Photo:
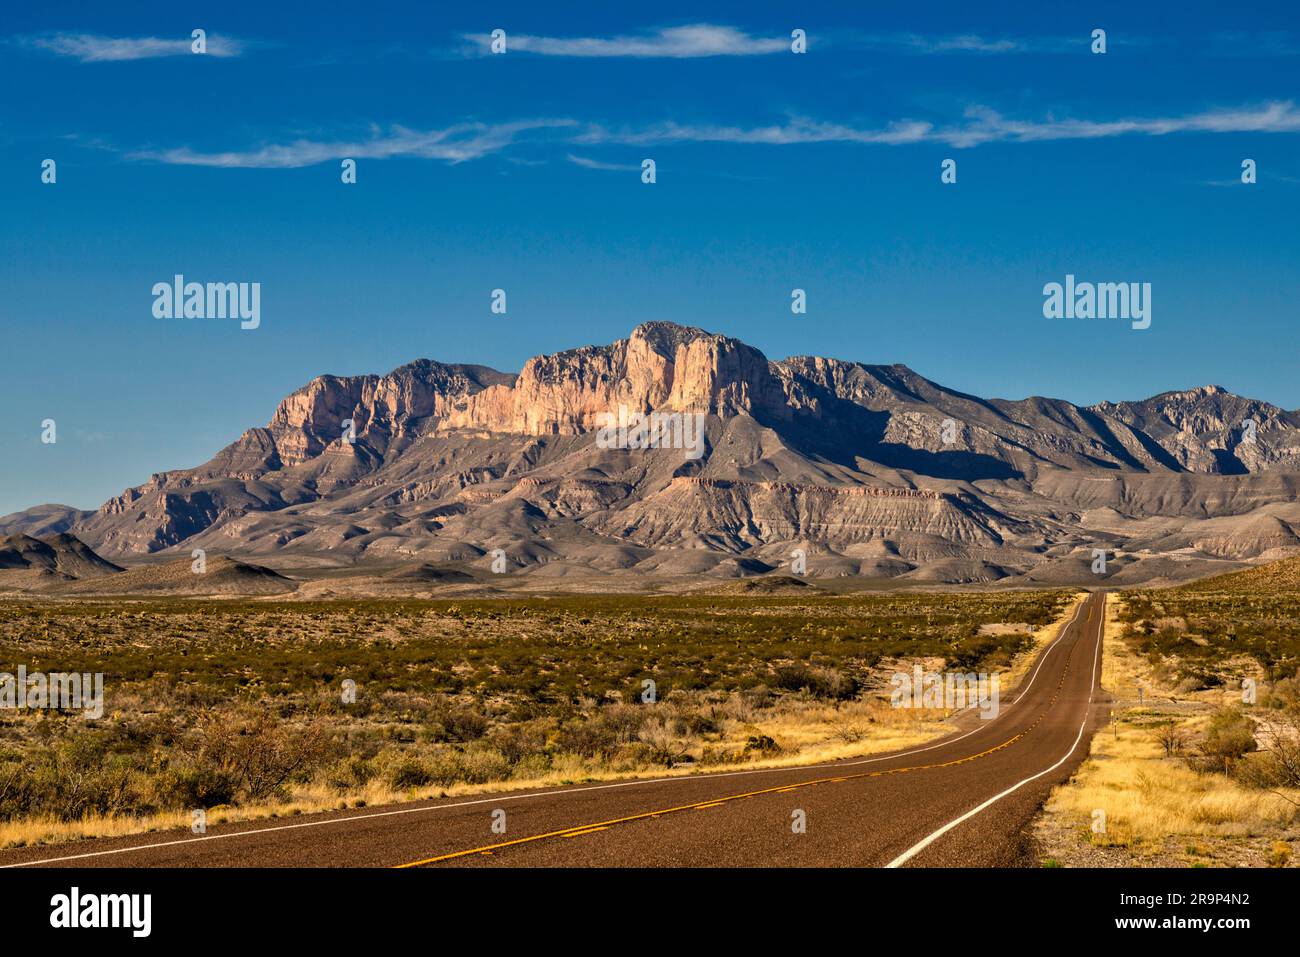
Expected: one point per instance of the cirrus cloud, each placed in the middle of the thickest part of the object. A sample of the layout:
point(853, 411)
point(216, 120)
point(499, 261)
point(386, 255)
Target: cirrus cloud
point(453, 144)
point(978, 125)
point(694, 40)
point(92, 48)
point(466, 141)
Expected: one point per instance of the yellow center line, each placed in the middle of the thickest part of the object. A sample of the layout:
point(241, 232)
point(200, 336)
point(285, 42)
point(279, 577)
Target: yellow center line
point(590, 830)
point(716, 802)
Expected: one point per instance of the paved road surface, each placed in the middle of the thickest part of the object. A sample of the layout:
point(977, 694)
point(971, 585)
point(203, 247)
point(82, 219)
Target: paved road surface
point(963, 801)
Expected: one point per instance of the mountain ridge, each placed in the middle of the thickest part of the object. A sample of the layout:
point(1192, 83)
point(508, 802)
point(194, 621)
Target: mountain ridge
point(447, 462)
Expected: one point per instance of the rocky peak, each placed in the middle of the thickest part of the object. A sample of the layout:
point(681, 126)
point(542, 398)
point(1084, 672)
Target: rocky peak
point(61, 553)
point(383, 409)
point(1203, 411)
point(867, 385)
point(664, 338)
point(1210, 429)
point(661, 365)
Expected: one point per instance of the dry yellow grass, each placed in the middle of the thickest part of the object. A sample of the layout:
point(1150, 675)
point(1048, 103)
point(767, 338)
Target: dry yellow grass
point(1148, 798)
point(1158, 810)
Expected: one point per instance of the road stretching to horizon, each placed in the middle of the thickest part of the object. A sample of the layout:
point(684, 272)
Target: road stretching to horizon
point(964, 800)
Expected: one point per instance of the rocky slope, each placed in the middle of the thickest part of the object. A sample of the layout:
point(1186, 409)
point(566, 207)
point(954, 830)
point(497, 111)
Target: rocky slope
point(220, 576)
point(863, 469)
point(1210, 430)
point(42, 520)
point(28, 562)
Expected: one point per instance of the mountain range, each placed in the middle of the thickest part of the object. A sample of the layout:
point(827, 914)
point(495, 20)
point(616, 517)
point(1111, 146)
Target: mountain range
point(853, 469)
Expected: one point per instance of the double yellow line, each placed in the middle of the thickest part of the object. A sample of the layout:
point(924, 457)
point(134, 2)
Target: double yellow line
point(715, 802)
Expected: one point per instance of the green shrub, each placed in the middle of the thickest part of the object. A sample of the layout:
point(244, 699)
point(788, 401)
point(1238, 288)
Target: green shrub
point(816, 681)
point(1229, 737)
point(408, 771)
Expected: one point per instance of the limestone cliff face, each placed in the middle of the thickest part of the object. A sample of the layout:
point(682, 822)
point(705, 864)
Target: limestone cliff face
point(826, 451)
point(383, 409)
point(302, 446)
point(658, 367)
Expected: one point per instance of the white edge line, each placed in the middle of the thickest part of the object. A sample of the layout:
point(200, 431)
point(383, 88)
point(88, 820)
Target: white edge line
point(497, 799)
point(921, 845)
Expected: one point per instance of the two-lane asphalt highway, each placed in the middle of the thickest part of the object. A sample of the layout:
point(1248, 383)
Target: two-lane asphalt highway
point(965, 800)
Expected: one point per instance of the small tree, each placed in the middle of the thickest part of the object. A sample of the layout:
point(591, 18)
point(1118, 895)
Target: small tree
point(1172, 738)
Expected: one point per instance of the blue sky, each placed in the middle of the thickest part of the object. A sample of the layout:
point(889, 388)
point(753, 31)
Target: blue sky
point(522, 171)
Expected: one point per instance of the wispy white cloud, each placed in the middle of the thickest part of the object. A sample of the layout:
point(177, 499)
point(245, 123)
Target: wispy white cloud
point(91, 48)
point(978, 125)
point(987, 125)
point(473, 140)
point(794, 131)
point(587, 163)
point(453, 144)
point(695, 40)
point(962, 43)
point(709, 39)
